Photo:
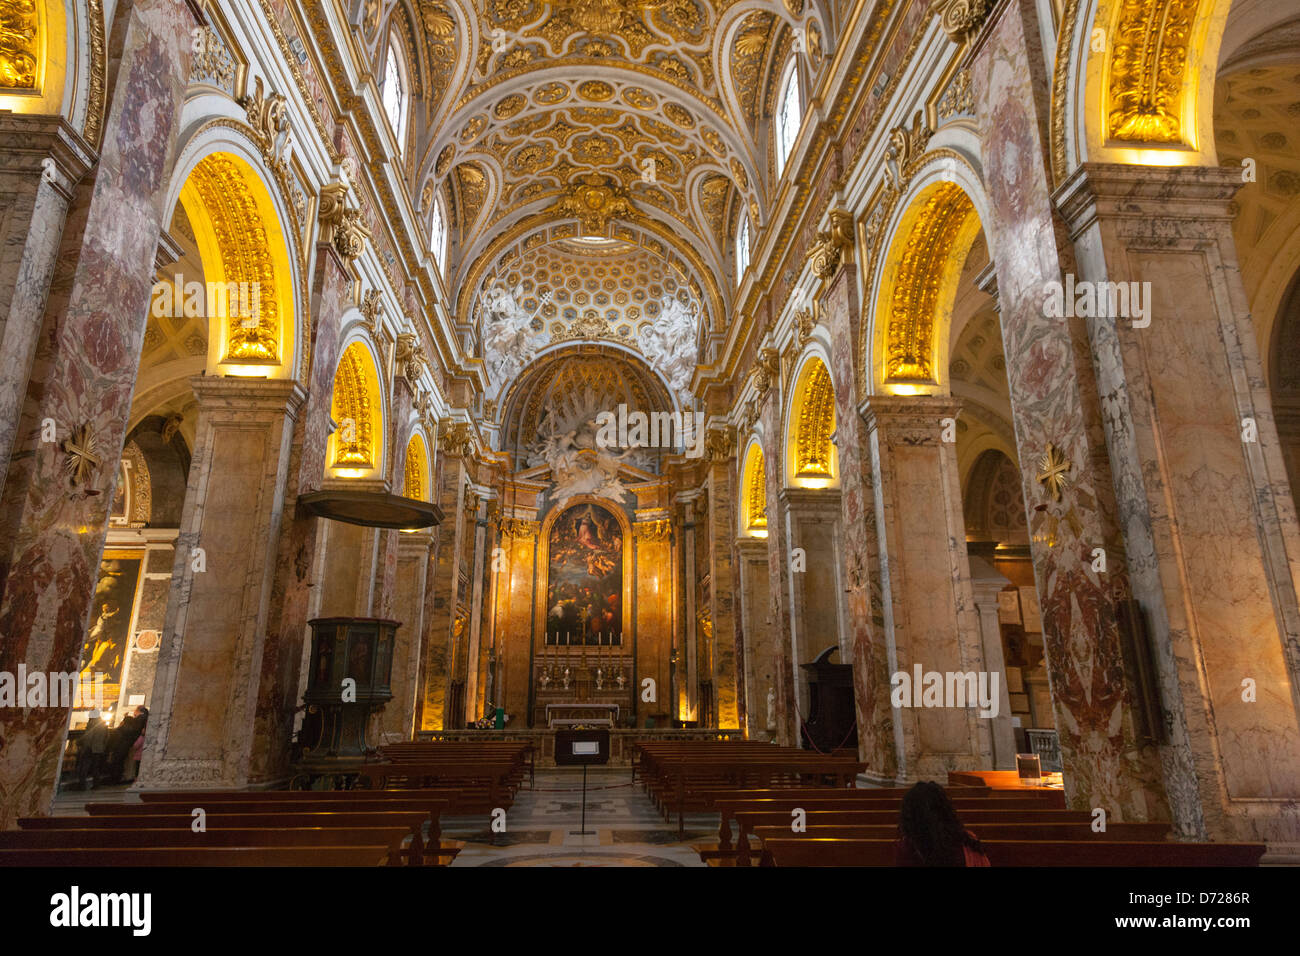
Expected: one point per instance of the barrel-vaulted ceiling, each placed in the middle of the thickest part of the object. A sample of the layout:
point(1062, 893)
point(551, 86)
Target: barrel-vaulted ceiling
point(643, 120)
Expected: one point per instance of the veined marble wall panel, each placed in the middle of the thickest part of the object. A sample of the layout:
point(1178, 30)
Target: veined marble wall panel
point(761, 657)
point(870, 657)
point(83, 374)
point(1054, 401)
point(512, 608)
point(654, 620)
point(722, 531)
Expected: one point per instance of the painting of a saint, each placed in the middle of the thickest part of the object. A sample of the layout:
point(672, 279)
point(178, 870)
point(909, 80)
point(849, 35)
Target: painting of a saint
point(584, 595)
point(110, 629)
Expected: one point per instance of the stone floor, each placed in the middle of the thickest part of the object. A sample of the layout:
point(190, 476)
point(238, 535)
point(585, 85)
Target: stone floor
point(542, 827)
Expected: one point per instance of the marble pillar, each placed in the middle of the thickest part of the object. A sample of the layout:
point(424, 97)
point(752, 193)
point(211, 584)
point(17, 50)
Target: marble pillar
point(860, 557)
point(401, 403)
point(42, 159)
point(789, 710)
point(288, 642)
point(1204, 500)
point(653, 628)
point(760, 651)
point(722, 532)
point(986, 584)
point(213, 643)
point(415, 551)
point(53, 522)
point(929, 613)
point(810, 518)
point(687, 658)
point(441, 662)
point(1055, 402)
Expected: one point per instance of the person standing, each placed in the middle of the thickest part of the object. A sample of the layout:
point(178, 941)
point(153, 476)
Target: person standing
point(90, 752)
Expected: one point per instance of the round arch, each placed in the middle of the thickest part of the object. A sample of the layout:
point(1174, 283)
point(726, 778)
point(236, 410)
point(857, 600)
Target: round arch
point(1136, 83)
point(913, 295)
point(240, 227)
point(417, 478)
point(356, 448)
point(811, 459)
point(752, 507)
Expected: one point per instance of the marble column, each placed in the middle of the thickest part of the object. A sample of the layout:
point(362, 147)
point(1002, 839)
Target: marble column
point(414, 556)
point(52, 522)
point(929, 613)
point(653, 581)
point(722, 532)
point(860, 557)
point(761, 656)
point(213, 643)
point(810, 519)
point(399, 415)
point(986, 584)
point(481, 685)
point(42, 159)
point(291, 596)
point(687, 658)
point(779, 591)
point(1055, 402)
point(1204, 500)
point(442, 665)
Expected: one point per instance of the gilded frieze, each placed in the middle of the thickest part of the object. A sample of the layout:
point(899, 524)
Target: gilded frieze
point(816, 422)
point(241, 238)
point(353, 410)
point(914, 300)
point(21, 45)
point(1148, 61)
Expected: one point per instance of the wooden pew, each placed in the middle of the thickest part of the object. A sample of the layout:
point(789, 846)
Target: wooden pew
point(820, 852)
point(195, 856)
point(1017, 807)
point(412, 822)
point(101, 838)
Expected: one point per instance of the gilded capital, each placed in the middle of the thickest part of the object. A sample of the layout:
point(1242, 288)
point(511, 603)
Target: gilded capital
point(340, 225)
point(962, 19)
point(831, 248)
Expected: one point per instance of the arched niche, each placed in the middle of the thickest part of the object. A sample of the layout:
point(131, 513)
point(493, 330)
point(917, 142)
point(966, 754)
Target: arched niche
point(811, 459)
point(417, 479)
point(914, 299)
point(752, 507)
point(247, 289)
point(356, 446)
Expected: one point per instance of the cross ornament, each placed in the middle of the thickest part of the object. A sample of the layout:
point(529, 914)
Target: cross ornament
point(1053, 467)
point(80, 449)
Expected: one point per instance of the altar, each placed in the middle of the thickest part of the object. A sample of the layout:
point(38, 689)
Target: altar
point(581, 713)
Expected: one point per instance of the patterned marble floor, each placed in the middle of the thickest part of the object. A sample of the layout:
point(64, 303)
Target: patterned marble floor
point(542, 828)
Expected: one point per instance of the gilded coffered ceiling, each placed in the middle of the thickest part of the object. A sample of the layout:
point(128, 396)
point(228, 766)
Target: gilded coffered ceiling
point(646, 118)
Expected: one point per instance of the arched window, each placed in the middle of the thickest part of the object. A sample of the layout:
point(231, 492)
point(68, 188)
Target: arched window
point(438, 236)
point(395, 94)
point(742, 249)
point(789, 117)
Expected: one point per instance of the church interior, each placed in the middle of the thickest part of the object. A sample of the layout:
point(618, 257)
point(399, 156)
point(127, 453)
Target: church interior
point(673, 415)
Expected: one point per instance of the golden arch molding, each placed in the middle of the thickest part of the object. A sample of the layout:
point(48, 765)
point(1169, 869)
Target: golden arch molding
point(919, 285)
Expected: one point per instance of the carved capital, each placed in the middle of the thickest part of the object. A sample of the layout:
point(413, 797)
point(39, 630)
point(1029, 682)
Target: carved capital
point(409, 357)
point(372, 308)
point(268, 115)
point(906, 145)
point(454, 438)
point(659, 530)
point(766, 367)
point(340, 224)
point(962, 19)
point(720, 442)
point(517, 528)
point(805, 320)
point(832, 246)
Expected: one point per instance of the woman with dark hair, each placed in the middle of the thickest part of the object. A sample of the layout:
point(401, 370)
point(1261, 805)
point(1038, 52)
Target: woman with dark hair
point(931, 834)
